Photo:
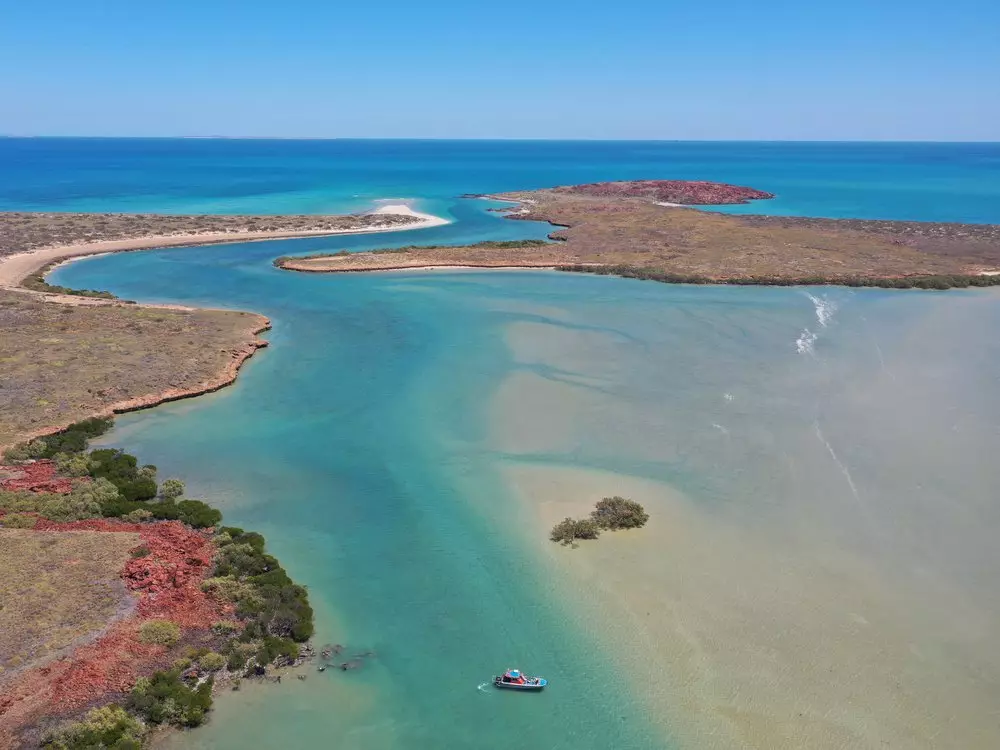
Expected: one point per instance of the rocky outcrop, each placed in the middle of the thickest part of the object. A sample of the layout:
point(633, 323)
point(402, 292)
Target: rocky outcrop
point(684, 192)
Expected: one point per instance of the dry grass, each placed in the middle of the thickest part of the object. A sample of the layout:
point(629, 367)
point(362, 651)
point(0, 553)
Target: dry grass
point(57, 587)
point(61, 363)
point(20, 231)
point(637, 232)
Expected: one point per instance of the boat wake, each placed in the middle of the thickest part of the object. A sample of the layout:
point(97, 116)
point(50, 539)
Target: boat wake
point(804, 343)
point(482, 687)
point(825, 308)
point(840, 464)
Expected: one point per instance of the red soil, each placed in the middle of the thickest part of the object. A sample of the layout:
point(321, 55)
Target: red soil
point(686, 192)
point(168, 584)
point(37, 476)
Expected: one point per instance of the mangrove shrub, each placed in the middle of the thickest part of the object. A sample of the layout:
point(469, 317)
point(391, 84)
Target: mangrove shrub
point(618, 513)
point(570, 529)
point(105, 727)
point(164, 698)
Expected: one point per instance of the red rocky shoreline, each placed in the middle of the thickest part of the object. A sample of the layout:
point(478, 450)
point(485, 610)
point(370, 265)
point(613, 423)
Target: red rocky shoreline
point(684, 192)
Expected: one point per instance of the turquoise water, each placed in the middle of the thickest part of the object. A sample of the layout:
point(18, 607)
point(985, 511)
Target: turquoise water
point(816, 462)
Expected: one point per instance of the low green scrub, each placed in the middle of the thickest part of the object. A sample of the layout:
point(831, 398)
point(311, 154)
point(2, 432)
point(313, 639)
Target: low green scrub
point(171, 489)
point(36, 282)
point(212, 662)
point(933, 282)
point(484, 245)
point(106, 727)
point(84, 501)
point(160, 632)
point(18, 521)
point(165, 698)
point(73, 439)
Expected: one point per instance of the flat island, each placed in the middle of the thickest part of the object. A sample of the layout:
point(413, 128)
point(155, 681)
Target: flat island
point(641, 229)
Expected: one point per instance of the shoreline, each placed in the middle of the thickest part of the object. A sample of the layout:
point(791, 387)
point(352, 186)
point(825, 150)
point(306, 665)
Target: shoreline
point(223, 379)
point(620, 230)
point(15, 268)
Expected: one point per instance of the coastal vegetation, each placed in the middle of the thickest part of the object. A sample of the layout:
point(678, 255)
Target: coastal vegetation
point(166, 698)
point(270, 615)
point(37, 283)
point(27, 230)
point(105, 727)
point(610, 514)
point(569, 530)
point(283, 261)
point(615, 513)
point(933, 282)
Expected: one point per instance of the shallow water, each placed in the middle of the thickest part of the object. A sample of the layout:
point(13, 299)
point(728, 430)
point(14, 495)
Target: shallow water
point(819, 570)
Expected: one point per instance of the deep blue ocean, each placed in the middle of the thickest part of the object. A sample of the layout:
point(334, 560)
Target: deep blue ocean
point(926, 182)
point(818, 463)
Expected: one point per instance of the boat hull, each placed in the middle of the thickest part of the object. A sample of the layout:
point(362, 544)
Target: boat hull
point(532, 687)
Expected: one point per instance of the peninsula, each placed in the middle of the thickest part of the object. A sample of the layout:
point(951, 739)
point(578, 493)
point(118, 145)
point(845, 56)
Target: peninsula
point(125, 602)
point(32, 241)
point(632, 229)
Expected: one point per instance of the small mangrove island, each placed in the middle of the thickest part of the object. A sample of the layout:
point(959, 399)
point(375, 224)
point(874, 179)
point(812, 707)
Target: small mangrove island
point(610, 514)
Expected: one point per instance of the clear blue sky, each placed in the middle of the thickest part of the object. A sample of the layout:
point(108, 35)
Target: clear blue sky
point(731, 69)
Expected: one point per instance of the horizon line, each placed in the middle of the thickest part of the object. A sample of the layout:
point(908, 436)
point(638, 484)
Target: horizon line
point(12, 136)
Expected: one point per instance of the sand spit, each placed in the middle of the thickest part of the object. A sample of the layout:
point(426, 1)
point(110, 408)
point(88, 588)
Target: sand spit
point(17, 266)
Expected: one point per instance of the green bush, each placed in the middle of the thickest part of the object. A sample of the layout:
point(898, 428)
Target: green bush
point(212, 661)
point(121, 470)
point(939, 282)
point(225, 627)
point(267, 601)
point(165, 699)
point(570, 529)
point(72, 464)
point(26, 451)
point(19, 521)
point(199, 514)
point(171, 489)
point(106, 727)
point(160, 632)
point(618, 513)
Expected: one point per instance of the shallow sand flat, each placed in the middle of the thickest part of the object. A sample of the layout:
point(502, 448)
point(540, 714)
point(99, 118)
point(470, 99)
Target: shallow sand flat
point(825, 577)
point(738, 640)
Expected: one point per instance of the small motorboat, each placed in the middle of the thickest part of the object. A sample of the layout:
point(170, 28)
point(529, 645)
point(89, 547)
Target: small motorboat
point(512, 679)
